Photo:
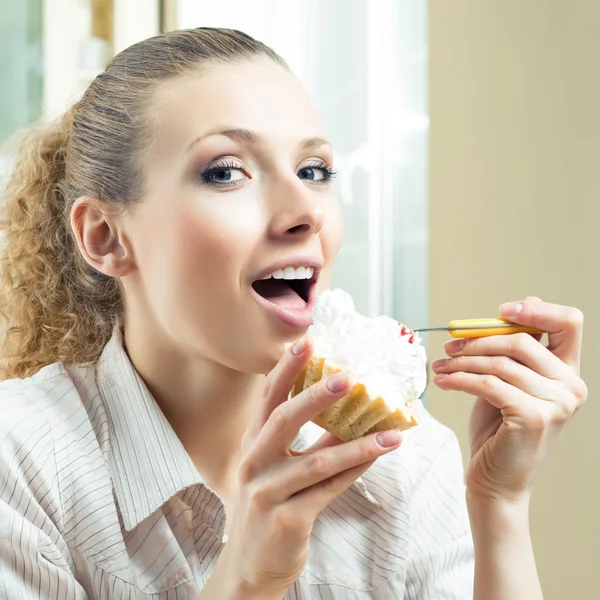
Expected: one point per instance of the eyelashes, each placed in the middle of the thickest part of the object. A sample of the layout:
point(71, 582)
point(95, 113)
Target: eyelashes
point(224, 173)
point(230, 173)
point(308, 171)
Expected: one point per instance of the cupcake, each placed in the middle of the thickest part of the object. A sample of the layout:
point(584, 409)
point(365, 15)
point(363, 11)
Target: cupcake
point(384, 359)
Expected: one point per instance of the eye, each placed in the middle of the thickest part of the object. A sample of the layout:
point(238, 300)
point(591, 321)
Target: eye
point(224, 174)
point(311, 173)
point(317, 173)
point(220, 175)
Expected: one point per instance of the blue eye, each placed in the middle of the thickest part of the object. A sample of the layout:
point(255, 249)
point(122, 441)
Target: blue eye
point(311, 174)
point(319, 173)
point(224, 174)
point(219, 175)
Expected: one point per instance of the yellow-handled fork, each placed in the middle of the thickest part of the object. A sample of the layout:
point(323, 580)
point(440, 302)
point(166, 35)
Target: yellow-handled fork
point(475, 328)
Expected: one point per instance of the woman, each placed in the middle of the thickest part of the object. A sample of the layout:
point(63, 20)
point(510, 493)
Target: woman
point(143, 454)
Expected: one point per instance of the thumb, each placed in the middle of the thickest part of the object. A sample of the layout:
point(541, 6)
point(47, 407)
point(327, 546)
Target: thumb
point(564, 325)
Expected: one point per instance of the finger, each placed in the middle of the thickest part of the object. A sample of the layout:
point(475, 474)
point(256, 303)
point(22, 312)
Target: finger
point(564, 326)
point(506, 369)
point(280, 380)
point(300, 511)
point(519, 409)
point(317, 497)
point(349, 461)
point(284, 423)
point(536, 336)
point(520, 347)
point(327, 440)
point(497, 392)
point(306, 471)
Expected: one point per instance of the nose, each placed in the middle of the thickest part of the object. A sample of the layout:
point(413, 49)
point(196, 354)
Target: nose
point(297, 211)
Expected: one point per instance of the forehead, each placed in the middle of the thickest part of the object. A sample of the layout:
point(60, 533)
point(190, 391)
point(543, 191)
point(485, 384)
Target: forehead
point(259, 96)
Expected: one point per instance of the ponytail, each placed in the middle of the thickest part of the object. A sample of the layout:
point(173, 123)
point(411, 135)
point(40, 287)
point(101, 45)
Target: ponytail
point(46, 289)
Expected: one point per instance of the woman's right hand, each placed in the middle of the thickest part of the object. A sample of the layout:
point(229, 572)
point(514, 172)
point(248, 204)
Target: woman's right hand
point(281, 492)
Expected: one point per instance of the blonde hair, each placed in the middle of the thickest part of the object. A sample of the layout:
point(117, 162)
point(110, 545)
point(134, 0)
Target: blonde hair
point(55, 307)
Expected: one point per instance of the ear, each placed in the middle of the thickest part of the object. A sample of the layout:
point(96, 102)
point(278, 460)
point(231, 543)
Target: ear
point(100, 238)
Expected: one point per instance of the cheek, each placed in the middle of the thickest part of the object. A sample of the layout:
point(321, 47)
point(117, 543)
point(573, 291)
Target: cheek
point(331, 236)
point(333, 231)
point(200, 244)
point(211, 246)
point(191, 272)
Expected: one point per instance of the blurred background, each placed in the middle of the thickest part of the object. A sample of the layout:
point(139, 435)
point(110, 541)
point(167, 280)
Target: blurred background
point(467, 138)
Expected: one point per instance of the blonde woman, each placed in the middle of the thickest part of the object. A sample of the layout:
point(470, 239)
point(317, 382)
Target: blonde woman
point(143, 453)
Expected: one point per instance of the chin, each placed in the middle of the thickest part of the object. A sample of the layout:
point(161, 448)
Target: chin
point(251, 359)
point(268, 361)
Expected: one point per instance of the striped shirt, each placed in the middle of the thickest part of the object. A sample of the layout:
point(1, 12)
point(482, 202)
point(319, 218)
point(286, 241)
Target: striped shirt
point(100, 500)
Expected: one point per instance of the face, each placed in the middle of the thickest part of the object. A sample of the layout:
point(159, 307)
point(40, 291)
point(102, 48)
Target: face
point(240, 195)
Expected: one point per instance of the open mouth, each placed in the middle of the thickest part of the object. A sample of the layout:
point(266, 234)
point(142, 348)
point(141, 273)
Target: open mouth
point(294, 294)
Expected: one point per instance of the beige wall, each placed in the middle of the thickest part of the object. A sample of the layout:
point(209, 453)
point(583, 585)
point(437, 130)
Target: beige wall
point(515, 210)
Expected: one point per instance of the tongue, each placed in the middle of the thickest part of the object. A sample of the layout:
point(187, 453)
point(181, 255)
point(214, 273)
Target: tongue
point(279, 292)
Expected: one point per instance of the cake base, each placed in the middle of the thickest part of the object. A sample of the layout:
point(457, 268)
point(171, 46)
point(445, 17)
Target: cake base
point(356, 414)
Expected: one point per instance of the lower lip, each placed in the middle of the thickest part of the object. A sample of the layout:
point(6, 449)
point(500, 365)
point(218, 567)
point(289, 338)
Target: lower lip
point(298, 319)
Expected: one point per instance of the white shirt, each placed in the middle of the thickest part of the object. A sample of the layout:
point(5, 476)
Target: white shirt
point(99, 500)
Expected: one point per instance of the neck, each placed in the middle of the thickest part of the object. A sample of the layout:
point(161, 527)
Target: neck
point(208, 405)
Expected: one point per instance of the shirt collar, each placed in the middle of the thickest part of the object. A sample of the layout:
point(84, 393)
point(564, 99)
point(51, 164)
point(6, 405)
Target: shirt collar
point(148, 462)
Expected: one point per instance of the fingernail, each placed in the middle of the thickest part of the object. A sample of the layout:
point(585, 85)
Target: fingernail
point(441, 376)
point(337, 382)
point(439, 364)
point(387, 439)
point(300, 346)
point(511, 309)
point(455, 346)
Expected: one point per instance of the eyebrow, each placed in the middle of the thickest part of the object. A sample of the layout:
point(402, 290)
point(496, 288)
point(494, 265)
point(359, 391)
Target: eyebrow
point(251, 137)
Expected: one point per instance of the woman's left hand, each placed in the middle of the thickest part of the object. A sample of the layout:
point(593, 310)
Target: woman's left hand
point(526, 394)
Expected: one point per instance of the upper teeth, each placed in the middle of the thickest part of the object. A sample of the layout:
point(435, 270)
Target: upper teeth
point(292, 273)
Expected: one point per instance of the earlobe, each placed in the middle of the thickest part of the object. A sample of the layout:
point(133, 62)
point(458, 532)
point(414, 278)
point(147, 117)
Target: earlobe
point(99, 238)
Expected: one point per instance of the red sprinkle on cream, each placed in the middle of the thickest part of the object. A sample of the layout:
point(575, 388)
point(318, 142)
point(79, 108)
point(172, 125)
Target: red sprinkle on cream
point(405, 331)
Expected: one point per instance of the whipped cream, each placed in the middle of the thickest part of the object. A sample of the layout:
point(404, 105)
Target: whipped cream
point(382, 354)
